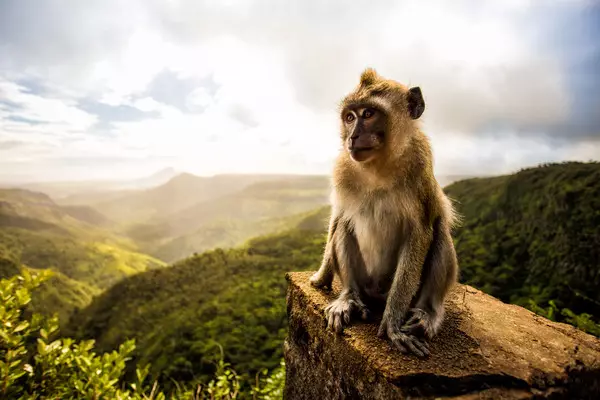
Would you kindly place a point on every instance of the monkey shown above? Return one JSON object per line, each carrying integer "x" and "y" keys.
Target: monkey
{"x": 389, "y": 234}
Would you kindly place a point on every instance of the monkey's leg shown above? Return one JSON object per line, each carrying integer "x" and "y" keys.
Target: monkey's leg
{"x": 404, "y": 286}
{"x": 324, "y": 276}
{"x": 439, "y": 273}
{"x": 351, "y": 269}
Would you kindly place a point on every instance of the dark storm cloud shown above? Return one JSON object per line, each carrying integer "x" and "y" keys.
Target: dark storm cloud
{"x": 572, "y": 34}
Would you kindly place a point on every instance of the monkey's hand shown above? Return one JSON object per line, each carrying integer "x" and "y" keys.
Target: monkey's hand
{"x": 339, "y": 312}
{"x": 404, "y": 341}
{"x": 321, "y": 279}
{"x": 419, "y": 324}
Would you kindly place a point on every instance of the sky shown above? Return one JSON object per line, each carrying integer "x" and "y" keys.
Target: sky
{"x": 108, "y": 89}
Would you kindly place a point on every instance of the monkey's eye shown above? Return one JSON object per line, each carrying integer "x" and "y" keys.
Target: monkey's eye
{"x": 349, "y": 117}
{"x": 368, "y": 113}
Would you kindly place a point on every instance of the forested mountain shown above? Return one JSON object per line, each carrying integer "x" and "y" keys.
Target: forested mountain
{"x": 529, "y": 236}
{"x": 534, "y": 235}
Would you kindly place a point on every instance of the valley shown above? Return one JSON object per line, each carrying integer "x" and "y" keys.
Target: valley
{"x": 93, "y": 239}
{"x": 197, "y": 264}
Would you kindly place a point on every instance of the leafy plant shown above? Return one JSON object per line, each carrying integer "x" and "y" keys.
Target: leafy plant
{"x": 273, "y": 383}
{"x": 35, "y": 364}
{"x": 582, "y": 321}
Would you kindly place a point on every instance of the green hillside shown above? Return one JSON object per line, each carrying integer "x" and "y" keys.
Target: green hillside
{"x": 60, "y": 294}
{"x": 534, "y": 235}
{"x": 233, "y": 297}
{"x": 73, "y": 242}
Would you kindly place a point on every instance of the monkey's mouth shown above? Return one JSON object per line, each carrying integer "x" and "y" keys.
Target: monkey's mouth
{"x": 365, "y": 145}
{"x": 361, "y": 153}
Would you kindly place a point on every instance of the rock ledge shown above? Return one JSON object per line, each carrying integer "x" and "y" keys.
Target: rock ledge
{"x": 486, "y": 349}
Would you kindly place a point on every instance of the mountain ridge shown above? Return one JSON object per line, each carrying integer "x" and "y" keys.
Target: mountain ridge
{"x": 236, "y": 297}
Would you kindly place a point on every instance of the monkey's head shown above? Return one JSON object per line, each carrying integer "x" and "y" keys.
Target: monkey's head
{"x": 378, "y": 117}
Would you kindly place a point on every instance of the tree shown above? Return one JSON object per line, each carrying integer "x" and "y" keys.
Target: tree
{"x": 35, "y": 364}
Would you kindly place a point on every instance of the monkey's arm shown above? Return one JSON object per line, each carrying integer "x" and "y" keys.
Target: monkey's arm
{"x": 404, "y": 287}
{"x": 351, "y": 269}
{"x": 324, "y": 276}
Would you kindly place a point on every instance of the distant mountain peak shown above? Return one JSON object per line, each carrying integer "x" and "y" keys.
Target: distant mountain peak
{"x": 167, "y": 171}
{"x": 26, "y": 194}
{"x": 183, "y": 177}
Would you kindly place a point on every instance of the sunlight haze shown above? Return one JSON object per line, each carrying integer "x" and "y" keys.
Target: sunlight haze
{"x": 119, "y": 90}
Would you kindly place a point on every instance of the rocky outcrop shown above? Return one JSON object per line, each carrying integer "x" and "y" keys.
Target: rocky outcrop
{"x": 486, "y": 349}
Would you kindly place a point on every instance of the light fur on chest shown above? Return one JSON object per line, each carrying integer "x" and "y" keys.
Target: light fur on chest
{"x": 378, "y": 225}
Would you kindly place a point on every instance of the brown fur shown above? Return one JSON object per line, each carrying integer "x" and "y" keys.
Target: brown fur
{"x": 389, "y": 234}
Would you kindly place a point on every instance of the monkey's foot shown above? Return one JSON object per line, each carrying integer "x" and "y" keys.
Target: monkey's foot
{"x": 321, "y": 280}
{"x": 419, "y": 324}
{"x": 405, "y": 342}
{"x": 339, "y": 312}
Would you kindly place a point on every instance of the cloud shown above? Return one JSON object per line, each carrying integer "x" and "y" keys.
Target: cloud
{"x": 11, "y": 144}
{"x": 226, "y": 86}
{"x": 20, "y": 109}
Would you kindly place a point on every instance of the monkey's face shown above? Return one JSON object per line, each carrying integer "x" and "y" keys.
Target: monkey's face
{"x": 365, "y": 130}
{"x": 378, "y": 116}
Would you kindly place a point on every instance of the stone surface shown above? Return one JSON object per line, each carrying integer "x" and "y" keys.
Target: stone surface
{"x": 486, "y": 349}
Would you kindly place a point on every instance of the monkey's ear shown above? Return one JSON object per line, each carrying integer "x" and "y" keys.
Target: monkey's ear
{"x": 416, "y": 104}
{"x": 368, "y": 77}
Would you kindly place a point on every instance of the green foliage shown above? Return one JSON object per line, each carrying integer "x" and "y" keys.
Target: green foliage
{"x": 533, "y": 237}
{"x": 273, "y": 384}
{"x": 552, "y": 312}
{"x": 58, "y": 294}
{"x": 35, "y": 364}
